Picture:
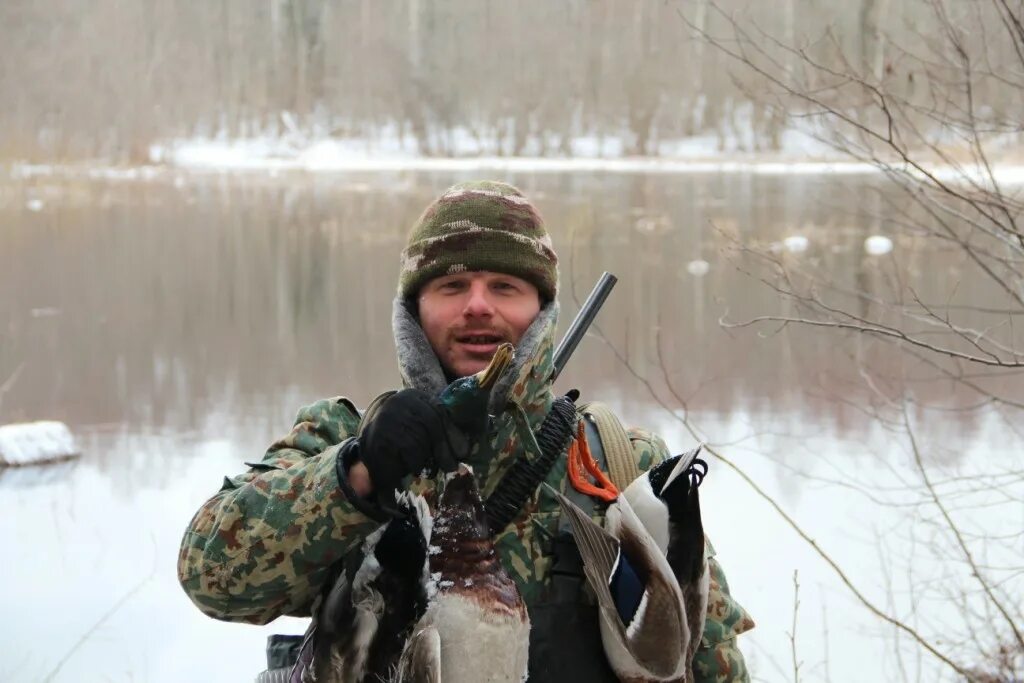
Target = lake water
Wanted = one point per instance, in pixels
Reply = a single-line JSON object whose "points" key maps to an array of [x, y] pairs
{"points": [[177, 323]]}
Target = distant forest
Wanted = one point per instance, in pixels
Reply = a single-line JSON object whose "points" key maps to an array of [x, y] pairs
{"points": [[105, 79]]}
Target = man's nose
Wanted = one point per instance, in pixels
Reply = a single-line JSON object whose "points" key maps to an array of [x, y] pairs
{"points": [[478, 302]]}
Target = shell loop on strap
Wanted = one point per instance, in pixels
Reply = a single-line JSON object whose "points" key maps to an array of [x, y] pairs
{"points": [[580, 459]]}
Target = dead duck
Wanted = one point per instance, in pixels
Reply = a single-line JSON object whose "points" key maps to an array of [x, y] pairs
{"points": [[466, 399], [667, 502], [476, 628], [363, 624], [446, 612], [648, 571]]}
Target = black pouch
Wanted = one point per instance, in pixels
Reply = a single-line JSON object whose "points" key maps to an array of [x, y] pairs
{"points": [[565, 638], [282, 650]]}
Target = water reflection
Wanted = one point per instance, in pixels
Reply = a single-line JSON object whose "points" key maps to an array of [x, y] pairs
{"points": [[164, 301], [177, 324]]}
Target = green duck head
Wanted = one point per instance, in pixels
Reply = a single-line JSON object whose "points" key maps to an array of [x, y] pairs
{"points": [[466, 398]]}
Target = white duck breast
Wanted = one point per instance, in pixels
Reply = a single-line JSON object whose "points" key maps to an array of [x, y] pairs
{"points": [[478, 644], [421, 661], [480, 619], [650, 511]]}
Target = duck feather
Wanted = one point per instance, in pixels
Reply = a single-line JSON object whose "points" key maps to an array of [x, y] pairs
{"points": [[652, 646], [421, 659], [356, 633], [672, 487], [477, 608]]}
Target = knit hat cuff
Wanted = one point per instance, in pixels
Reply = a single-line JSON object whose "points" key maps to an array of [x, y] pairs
{"points": [[470, 247]]}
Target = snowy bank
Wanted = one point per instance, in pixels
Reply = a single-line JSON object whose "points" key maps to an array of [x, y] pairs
{"points": [[696, 155], [32, 443], [799, 154]]}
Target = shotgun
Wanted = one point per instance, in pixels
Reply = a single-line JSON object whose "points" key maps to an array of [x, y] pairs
{"points": [[581, 323]]}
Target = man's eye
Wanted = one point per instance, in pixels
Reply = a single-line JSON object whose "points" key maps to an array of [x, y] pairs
{"points": [[505, 286]]}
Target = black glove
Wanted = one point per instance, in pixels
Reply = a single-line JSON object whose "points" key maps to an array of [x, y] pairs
{"points": [[408, 434]]}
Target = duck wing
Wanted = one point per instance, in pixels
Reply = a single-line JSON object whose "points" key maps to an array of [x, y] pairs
{"points": [[599, 549], [648, 639], [338, 642], [360, 628]]}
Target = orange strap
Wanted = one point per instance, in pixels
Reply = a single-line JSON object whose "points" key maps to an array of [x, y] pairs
{"points": [[580, 458]]}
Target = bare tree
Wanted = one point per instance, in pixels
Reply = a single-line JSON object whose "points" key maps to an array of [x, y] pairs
{"points": [[933, 106], [105, 81]]}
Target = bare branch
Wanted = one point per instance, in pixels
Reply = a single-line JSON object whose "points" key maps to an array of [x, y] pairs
{"points": [[976, 572], [792, 631], [879, 330]]}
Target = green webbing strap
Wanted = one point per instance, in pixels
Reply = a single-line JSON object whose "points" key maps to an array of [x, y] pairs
{"points": [[618, 452]]}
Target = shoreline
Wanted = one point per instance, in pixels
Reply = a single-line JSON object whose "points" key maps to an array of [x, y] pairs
{"points": [[215, 163]]}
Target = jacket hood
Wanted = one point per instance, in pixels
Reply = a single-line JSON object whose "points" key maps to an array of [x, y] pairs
{"points": [[527, 383]]}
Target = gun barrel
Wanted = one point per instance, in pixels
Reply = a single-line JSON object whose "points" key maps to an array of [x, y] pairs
{"points": [[582, 321]]}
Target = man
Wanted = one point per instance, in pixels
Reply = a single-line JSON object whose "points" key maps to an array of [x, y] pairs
{"points": [[478, 270]]}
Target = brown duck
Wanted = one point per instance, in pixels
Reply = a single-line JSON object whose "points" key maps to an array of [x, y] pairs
{"points": [[429, 601], [476, 628], [648, 570]]}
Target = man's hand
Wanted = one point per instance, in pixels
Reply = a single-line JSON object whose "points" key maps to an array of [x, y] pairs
{"points": [[359, 479], [407, 435]]}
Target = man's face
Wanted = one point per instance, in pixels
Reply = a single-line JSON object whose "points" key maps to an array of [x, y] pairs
{"points": [[467, 315]]}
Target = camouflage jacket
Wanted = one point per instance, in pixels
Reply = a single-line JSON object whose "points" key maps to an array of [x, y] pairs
{"points": [[265, 543]]}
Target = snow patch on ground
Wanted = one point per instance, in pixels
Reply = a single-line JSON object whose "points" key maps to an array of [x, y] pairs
{"points": [[31, 443], [800, 153]]}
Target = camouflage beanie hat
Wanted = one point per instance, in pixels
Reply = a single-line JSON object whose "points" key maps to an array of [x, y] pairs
{"points": [[479, 225]]}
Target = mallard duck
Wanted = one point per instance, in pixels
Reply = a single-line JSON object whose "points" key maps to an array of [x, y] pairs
{"points": [[364, 623], [465, 399], [648, 571], [667, 502], [360, 628], [476, 628]]}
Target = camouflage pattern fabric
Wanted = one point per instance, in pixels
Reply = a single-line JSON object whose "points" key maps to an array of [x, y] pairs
{"points": [[262, 546], [480, 225], [718, 659]]}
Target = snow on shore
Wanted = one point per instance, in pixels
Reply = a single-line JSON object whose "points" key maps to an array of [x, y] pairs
{"points": [[800, 154], [694, 155], [32, 443]]}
